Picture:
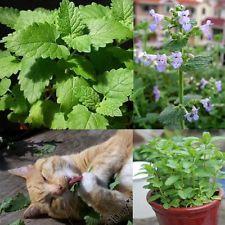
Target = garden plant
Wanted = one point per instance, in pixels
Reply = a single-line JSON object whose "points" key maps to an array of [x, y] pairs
{"points": [[178, 83], [68, 68], [182, 173]]}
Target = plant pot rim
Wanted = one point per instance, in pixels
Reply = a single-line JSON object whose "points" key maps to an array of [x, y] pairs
{"points": [[204, 207]]}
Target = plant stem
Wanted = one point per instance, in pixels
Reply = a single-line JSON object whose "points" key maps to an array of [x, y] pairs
{"points": [[181, 94]]}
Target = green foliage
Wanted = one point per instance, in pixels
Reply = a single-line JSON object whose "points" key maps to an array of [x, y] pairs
{"points": [[17, 222], [11, 204], [182, 171], [46, 149], [171, 116], [81, 118], [9, 64], [198, 63], [8, 16], [67, 65], [92, 218]]}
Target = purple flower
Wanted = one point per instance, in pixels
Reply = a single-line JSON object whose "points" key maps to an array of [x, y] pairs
{"points": [[193, 115], [177, 59], [138, 55], [156, 93], [184, 16], [218, 84], [147, 59], [186, 26], [203, 83], [157, 18], [184, 20], [207, 29], [161, 61], [207, 104]]}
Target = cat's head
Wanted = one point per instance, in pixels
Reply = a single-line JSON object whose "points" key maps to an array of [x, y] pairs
{"points": [[48, 182]]}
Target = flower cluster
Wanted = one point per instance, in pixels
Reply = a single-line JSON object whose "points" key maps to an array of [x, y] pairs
{"points": [[192, 115], [218, 85], [160, 61], [207, 29], [207, 104], [204, 82], [185, 22], [157, 18]]}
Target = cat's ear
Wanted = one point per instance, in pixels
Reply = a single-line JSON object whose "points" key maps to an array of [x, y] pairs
{"points": [[23, 171], [34, 210]]}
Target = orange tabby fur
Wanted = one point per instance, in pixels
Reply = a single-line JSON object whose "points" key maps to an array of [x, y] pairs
{"points": [[47, 181]]}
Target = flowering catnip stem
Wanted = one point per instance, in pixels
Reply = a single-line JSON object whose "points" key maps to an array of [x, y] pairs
{"points": [[181, 93]]}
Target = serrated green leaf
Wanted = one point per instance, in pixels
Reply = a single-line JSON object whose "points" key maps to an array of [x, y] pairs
{"points": [[92, 218], [89, 97], [110, 107], [4, 86], [34, 76], [81, 118], [68, 92], [8, 64], [16, 101], [36, 117], [103, 32], [47, 114], [154, 197], [80, 43], [58, 121], [122, 11], [115, 184], [11, 204], [37, 40], [95, 11], [8, 16], [28, 17], [116, 84], [171, 180], [83, 67], [17, 222], [69, 19], [198, 63], [171, 116], [4, 102]]}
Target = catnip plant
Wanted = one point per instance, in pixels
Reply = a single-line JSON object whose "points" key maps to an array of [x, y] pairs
{"points": [[175, 55], [68, 68], [183, 171]]}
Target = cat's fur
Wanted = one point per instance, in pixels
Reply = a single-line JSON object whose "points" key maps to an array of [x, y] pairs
{"points": [[48, 187]]}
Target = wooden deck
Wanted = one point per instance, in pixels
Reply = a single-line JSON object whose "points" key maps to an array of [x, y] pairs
{"points": [[67, 142]]}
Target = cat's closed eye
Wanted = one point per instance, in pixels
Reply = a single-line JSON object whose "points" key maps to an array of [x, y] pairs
{"points": [[44, 178]]}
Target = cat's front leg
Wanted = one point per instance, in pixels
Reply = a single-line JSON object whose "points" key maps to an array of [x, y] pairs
{"points": [[110, 204]]}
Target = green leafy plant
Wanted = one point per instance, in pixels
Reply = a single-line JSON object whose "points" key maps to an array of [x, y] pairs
{"points": [[17, 222], [179, 81], [67, 68], [182, 171], [46, 149], [15, 203]]}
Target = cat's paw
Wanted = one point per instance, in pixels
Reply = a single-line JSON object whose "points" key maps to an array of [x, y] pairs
{"points": [[89, 182]]}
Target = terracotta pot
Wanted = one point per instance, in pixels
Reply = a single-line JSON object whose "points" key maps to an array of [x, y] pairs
{"points": [[200, 215]]}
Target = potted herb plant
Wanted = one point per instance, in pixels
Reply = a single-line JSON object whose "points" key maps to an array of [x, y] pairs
{"points": [[182, 177]]}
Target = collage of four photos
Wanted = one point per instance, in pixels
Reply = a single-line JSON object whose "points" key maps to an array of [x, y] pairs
{"points": [[112, 112]]}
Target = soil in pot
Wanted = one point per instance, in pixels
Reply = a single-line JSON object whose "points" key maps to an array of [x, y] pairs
{"points": [[201, 215]]}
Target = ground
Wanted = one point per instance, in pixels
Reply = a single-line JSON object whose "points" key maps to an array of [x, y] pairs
{"points": [[67, 142]]}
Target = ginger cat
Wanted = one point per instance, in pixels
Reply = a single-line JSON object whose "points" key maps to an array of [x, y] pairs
{"points": [[49, 180]]}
